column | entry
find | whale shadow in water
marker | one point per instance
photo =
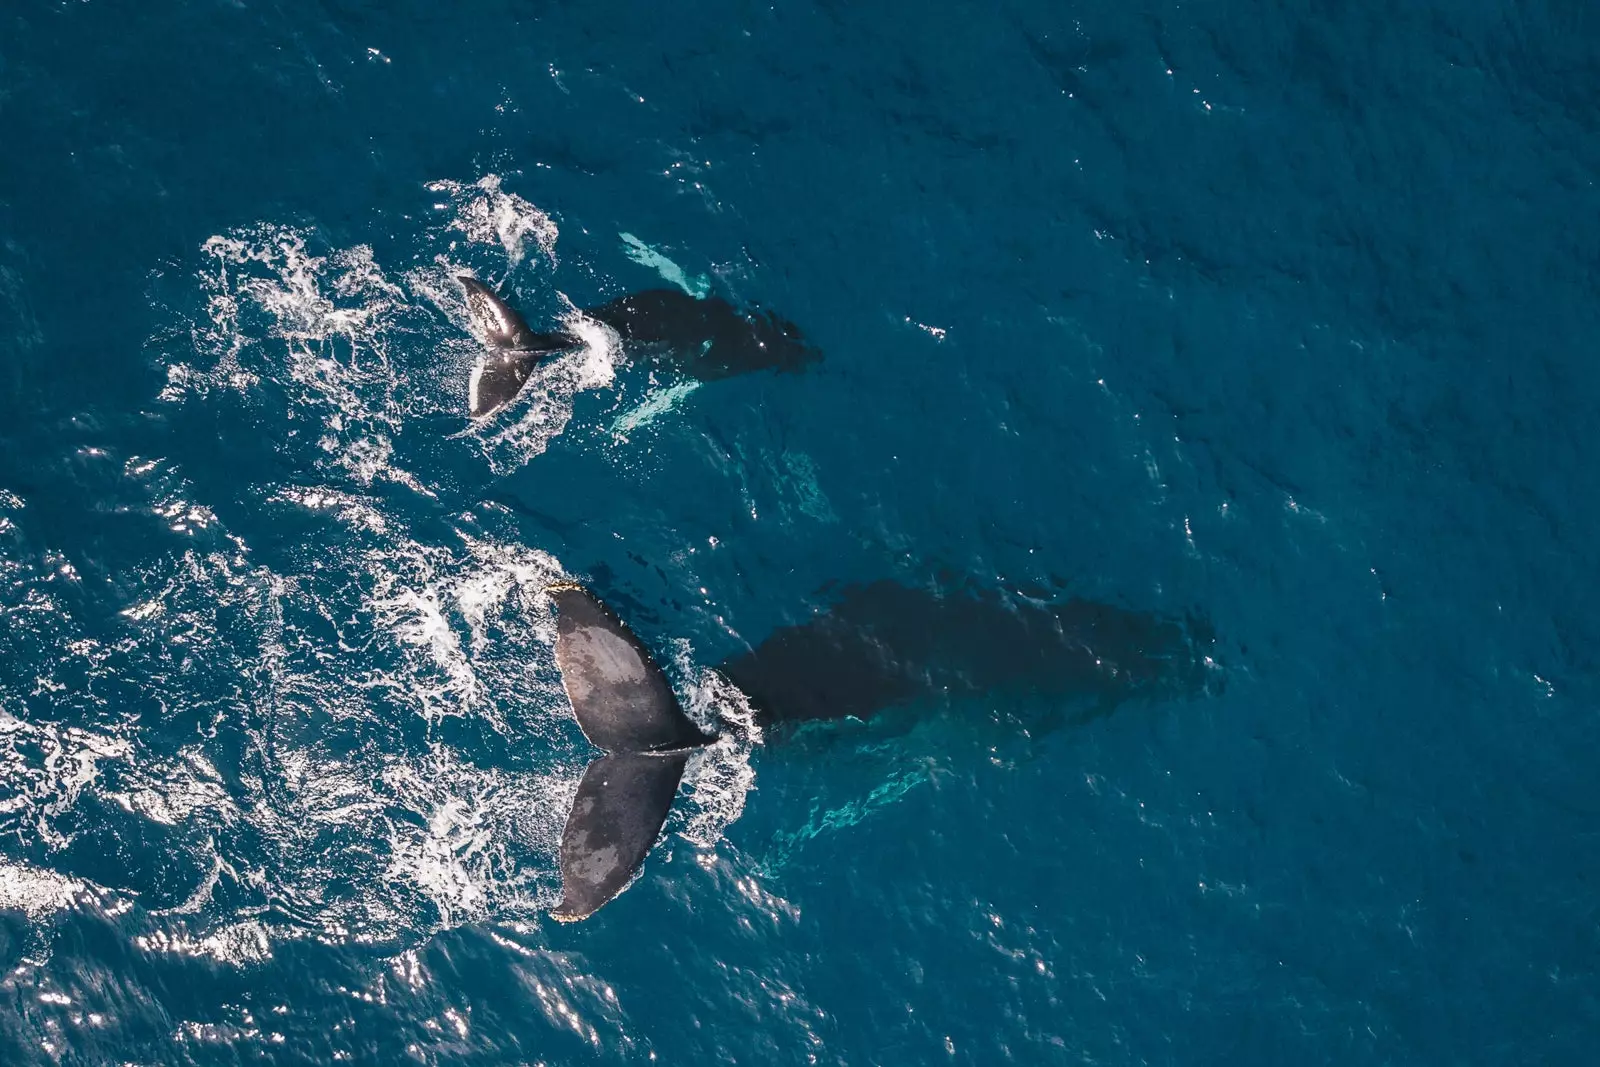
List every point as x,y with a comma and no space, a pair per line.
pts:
886,645
707,338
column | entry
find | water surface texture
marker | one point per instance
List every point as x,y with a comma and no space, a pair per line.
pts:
1258,339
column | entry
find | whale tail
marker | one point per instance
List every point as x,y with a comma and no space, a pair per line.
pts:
513,349
625,706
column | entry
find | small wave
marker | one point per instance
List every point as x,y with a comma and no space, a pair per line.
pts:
37,893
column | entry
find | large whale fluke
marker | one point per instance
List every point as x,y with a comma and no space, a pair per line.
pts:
621,698
624,705
621,805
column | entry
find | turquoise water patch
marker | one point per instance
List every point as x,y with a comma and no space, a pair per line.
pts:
658,403
646,256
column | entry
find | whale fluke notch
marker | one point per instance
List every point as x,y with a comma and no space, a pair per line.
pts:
621,805
624,705
621,698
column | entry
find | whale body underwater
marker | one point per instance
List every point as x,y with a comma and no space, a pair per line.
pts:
879,646
706,337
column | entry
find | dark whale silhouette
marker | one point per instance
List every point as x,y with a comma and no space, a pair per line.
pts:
625,706
708,338
884,644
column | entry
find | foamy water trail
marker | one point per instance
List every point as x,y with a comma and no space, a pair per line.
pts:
271,716
360,348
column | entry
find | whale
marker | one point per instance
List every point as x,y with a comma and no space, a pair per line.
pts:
882,645
625,706
873,648
705,337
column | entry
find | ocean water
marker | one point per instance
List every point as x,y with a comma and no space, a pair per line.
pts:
1280,317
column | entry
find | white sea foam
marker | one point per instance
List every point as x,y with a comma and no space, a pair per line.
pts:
37,893
719,776
356,349
486,214
272,717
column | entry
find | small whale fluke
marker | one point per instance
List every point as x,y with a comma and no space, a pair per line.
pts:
513,349
502,327
624,705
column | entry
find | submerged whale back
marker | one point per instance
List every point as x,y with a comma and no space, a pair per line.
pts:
709,337
886,644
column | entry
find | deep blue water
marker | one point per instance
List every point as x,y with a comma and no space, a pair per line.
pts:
1282,316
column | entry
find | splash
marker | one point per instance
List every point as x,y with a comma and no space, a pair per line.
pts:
322,333
543,408
486,214
423,597
352,351
719,776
